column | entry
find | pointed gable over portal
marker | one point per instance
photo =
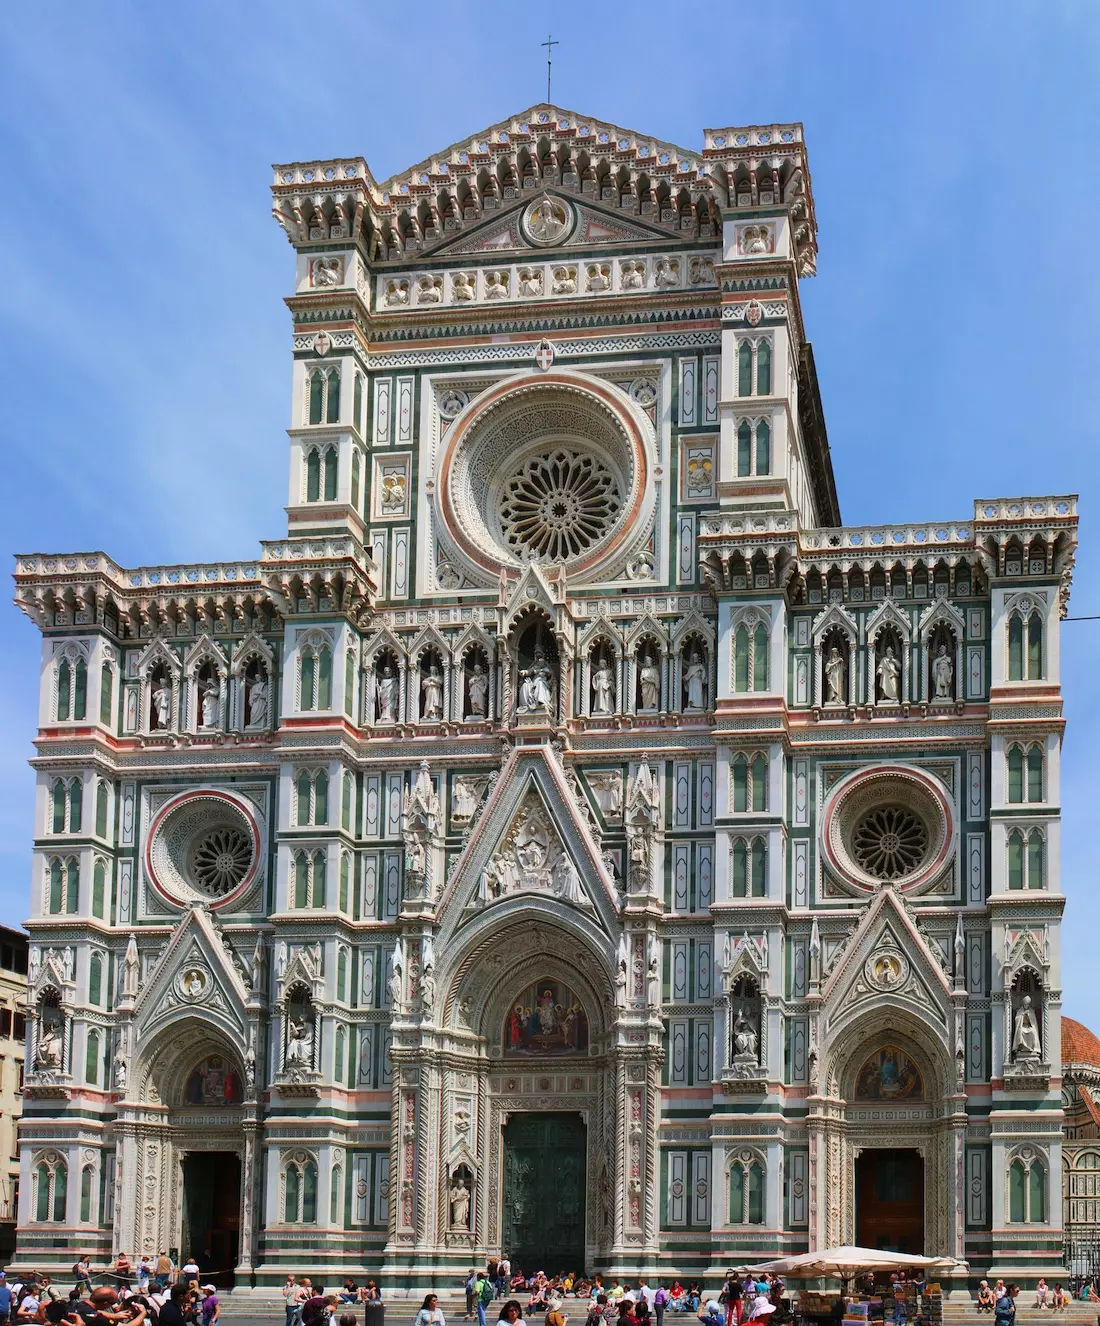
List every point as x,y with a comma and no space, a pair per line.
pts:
532,840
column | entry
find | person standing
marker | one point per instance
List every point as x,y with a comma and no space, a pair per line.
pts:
660,1302
504,1274
5,1299
211,1311
431,1314
491,1272
469,1286
292,1297
483,1296
1004,1310
163,1269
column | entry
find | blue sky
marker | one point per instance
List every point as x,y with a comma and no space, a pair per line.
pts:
143,338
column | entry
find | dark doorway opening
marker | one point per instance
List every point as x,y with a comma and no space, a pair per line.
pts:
544,1192
890,1200
212,1213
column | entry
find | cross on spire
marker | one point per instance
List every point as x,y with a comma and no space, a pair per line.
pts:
549,43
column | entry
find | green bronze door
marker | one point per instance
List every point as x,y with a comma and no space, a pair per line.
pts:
544,1189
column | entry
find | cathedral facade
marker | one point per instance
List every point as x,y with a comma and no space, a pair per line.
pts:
570,839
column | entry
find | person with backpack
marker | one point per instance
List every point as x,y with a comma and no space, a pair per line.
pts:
468,1285
484,1291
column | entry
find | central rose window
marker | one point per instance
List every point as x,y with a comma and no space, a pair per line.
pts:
558,506
203,844
220,860
888,824
890,842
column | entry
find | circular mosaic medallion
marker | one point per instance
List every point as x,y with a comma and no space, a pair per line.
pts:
203,845
547,220
888,824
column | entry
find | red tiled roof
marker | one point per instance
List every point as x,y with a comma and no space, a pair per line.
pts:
1079,1045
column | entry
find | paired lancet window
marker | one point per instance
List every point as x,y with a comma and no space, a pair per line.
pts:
324,396
1027,1192
67,805
1025,774
754,448
750,658
1025,647
300,1192
63,887
51,1189
749,783
746,1193
72,689
312,793
322,474
309,880
1026,852
315,677
754,368
748,868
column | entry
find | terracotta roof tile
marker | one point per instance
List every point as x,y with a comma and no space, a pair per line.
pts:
1079,1045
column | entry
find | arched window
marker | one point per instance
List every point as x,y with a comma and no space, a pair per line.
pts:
1017,1193
749,869
51,1187
316,396
1015,859
331,474
55,895
746,1193
305,797
95,979
339,1054
739,781
345,802
357,401
345,877
1027,1190
1037,1193
1015,775
744,448
313,475
324,678
764,369
76,805
91,1059
1034,648
315,673
332,405
309,879
758,863
102,805
342,975
320,798
334,1199
741,659
99,890
292,1208
80,689
760,659
106,694
1015,647
301,880
763,447
748,780
309,1194
60,802
64,690
737,1195
308,681
759,783
355,467
1035,774
755,1194
1036,851
318,879
349,680
740,869
72,887
744,369
87,1178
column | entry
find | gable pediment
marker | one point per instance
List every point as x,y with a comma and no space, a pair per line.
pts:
887,961
530,841
195,976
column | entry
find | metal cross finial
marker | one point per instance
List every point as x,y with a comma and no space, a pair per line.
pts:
549,43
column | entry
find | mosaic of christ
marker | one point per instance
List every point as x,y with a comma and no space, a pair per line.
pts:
889,1074
547,1018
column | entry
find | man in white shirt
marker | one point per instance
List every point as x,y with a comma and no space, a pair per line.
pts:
645,1292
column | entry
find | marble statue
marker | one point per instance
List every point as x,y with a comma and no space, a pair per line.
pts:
496,285
47,1054
603,687
599,278
211,695
695,681
755,240
744,1036
162,703
536,693
299,1044
257,702
385,696
130,970
328,271
1025,1032
547,220
620,984
834,677
477,689
397,975
632,275
889,675
565,281
465,799
649,682
120,1066
460,1205
943,674
667,273
530,283
427,988
428,291
250,1068
461,286
432,692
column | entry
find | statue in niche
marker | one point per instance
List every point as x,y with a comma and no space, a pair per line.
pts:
1025,1032
649,682
431,689
889,675
385,695
120,1065
162,703
477,691
250,1068
427,989
396,984
299,1044
496,285
943,675
257,701
695,682
210,701
536,691
461,286
835,669
459,1197
603,686
599,278
47,1054
667,273
130,970
744,1036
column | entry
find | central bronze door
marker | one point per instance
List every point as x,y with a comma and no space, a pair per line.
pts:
544,1191
890,1200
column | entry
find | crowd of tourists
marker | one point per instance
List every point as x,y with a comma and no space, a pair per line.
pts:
133,1296
1000,1300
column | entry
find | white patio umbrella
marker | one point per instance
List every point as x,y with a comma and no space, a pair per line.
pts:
843,1263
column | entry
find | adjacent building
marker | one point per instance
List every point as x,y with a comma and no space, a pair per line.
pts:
570,838
13,1034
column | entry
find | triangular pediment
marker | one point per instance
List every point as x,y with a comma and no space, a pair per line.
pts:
530,842
195,977
887,961
590,226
